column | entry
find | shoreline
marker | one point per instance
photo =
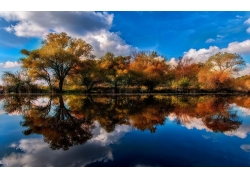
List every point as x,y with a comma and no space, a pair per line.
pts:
132,94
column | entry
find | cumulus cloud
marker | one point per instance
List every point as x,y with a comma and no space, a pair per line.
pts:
210,40
10,64
201,55
104,41
91,26
245,147
36,24
173,62
238,47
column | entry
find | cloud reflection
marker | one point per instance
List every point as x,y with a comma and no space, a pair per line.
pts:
37,153
245,147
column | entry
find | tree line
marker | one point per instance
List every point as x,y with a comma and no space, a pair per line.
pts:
66,63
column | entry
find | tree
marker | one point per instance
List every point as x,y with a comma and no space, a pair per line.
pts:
149,69
90,74
185,73
17,82
36,68
115,67
58,55
218,70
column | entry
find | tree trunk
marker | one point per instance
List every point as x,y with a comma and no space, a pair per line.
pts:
61,80
89,88
116,88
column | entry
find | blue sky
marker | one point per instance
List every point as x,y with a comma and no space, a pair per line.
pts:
197,34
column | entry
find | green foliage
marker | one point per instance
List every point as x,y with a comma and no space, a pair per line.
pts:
184,82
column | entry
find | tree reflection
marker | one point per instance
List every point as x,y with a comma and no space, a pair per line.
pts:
17,104
147,113
215,112
219,116
57,124
65,121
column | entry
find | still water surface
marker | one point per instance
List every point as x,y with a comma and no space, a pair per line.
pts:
76,130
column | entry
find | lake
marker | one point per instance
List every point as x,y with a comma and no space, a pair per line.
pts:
125,131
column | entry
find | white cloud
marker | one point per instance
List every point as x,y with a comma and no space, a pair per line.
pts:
196,123
247,21
241,132
104,41
219,36
104,138
36,24
244,111
238,47
210,40
201,55
245,147
173,62
248,30
36,152
93,27
42,101
245,71
10,64
9,29
239,17
172,116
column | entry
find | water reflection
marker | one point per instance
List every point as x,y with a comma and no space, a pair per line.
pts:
215,112
65,121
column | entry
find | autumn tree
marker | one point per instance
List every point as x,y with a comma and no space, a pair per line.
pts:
218,70
185,73
36,67
149,69
58,55
115,68
88,73
242,83
17,82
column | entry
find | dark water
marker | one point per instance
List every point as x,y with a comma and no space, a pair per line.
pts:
75,130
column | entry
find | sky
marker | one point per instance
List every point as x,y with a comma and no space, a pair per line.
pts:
196,34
